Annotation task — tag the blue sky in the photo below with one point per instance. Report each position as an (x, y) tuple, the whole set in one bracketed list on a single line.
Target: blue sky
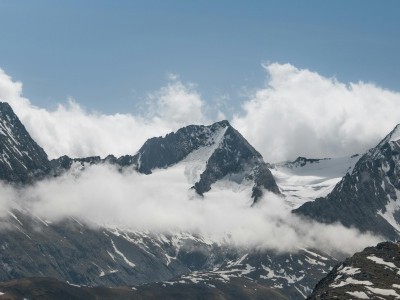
[(109, 54)]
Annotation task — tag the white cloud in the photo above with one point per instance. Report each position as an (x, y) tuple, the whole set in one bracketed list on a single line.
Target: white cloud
[(74, 131), (297, 113), (176, 104), (301, 113), (103, 195)]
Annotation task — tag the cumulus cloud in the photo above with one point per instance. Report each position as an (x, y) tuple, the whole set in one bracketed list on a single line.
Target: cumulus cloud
[(301, 113), (297, 113), (105, 196), (176, 103), (72, 130)]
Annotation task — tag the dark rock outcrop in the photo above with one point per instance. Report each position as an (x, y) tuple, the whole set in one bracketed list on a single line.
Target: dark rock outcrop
[(21, 159), (371, 274)]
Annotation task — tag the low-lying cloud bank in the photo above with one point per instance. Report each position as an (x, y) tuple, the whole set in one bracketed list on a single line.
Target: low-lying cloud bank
[(297, 112), (163, 202)]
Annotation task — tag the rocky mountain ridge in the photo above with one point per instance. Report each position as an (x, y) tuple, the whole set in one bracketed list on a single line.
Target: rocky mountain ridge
[(217, 152), (84, 255), (373, 273), (368, 197), (21, 159)]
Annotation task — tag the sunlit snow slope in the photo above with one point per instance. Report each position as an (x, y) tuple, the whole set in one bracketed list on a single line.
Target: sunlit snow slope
[(305, 179)]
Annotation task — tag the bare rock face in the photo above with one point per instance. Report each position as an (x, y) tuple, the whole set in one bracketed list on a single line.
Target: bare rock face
[(21, 159)]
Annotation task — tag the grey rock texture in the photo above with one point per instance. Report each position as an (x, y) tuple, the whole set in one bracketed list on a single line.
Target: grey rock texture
[(373, 273), (21, 159)]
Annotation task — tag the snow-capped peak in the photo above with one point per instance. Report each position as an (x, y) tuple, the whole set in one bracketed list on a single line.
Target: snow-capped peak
[(395, 134)]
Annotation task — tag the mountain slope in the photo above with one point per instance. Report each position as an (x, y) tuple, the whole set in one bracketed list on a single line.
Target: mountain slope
[(21, 159), (368, 198), (42, 288), (371, 274), (86, 255), (306, 179)]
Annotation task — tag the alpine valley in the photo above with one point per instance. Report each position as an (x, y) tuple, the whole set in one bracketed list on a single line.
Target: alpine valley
[(76, 256)]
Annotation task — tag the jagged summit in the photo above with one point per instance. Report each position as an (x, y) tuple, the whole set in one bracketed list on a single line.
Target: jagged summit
[(390, 141), (218, 150), (211, 153), (393, 136), (21, 159), (161, 152)]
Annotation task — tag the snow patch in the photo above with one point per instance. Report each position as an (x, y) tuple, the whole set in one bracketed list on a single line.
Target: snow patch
[(314, 254), (359, 295), (383, 292), (380, 261), (350, 280), (390, 209), (102, 273), (196, 162), (301, 184), (350, 271), (395, 135), (128, 262)]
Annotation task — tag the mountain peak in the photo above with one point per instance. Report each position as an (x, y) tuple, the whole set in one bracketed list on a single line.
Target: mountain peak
[(395, 134), (20, 157), (223, 123), (387, 145), (218, 149)]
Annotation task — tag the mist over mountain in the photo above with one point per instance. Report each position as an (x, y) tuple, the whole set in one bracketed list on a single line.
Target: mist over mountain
[(196, 207)]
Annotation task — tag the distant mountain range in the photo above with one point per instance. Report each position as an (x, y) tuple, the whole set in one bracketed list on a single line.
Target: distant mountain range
[(41, 256)]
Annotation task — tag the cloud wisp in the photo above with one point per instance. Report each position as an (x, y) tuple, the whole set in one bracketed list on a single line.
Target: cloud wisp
[(103, 195)]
